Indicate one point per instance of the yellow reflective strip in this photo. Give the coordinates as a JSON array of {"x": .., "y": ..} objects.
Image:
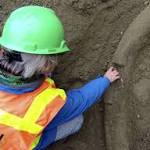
[
  {"x": 19, "y": 123},
  {"x": 28, "y": 122},
  {"x": 62, "y": 94},
  {"x": 50, "y": 81},
  {"x": 41, "y": 101},
  {"x": 34, "y": 144}
]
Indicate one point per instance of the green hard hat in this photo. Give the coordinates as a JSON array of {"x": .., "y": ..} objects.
[{"x": 34, "y": 29}]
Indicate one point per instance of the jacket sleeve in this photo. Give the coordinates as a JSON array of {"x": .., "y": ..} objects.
[{"x": 79, "y": 100}]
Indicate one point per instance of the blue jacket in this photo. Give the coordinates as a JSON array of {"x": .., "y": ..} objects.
[{"x": 78, "y": 101}]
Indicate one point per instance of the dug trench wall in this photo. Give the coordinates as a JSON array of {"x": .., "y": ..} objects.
[
  {"x": 127, "y": 106},
  {"x": 101, "y": 33}
]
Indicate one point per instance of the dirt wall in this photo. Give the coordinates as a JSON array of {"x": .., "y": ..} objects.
[{"x": 101, "y": 33}]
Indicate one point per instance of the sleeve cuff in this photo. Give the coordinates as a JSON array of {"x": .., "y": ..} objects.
[{"x": 105, "y": 80}]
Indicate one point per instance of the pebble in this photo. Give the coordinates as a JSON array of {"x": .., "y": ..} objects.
[
  {"x": 146, "y": 2},
  {"x": 138, "y": 116}
]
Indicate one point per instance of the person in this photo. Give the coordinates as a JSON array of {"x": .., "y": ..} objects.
[{"x": 33, "y": 112}]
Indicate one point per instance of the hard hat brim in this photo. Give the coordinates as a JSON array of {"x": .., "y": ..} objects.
[{"x": 29, "y": 49}]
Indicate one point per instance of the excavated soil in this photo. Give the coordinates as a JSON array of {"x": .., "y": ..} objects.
[{"x": 102, "y": 33}]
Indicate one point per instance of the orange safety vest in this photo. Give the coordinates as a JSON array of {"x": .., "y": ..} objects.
[{"x": 23, "y": 117}]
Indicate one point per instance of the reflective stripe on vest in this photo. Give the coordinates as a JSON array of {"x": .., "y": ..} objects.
[
  {"x": 41, "y": 106},
  {"x": 28, "y": 122}
]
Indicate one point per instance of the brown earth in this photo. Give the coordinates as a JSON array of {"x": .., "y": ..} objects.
[{"x": 101, "y": 33}]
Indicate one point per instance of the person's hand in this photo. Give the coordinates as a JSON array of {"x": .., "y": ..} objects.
[{"x": 112, "y": 74}]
